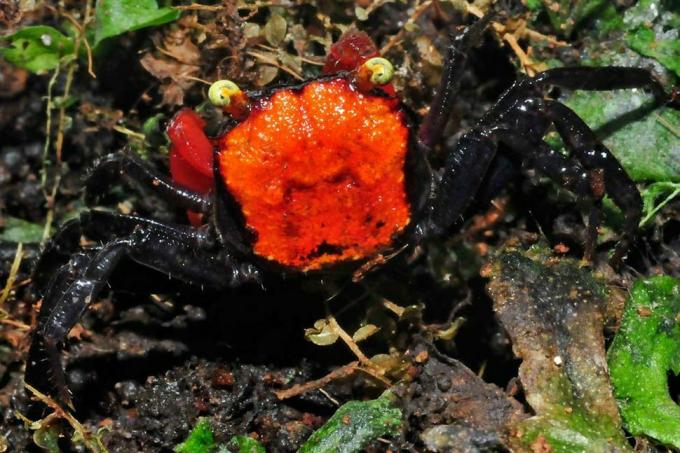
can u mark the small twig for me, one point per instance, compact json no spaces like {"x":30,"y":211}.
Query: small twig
{"x":129,"y":132}
{"x":667,"y":125}
{"x":272,"y":62}
{"x":394,"y":308}
{"x":198,"y":7}
{"x":660,"y":206}
{"x":15,"y":323}
{"x":351,"y":344}
{"x":299,"y":389}
{"x":304,"y":59}
{"x":524,"y":59}
{"x":418,"y":10}
{"x":197,"y":79}
{"x":376,"y":374}
{"x":93,"y":443}
{"x":85,"y":41}
{"x":48,"y":126}
{"x":13,"y":271}
{"x":59,"y":141}
{"x":330,"y":398}
{"x":90,"y":65}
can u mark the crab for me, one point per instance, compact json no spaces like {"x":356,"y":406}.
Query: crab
{"x":329,"y":175}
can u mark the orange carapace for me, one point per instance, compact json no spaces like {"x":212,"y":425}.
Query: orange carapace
{"x":318,"y":172}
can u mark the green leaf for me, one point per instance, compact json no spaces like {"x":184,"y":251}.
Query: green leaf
{"x":115,"y":17}
{"x":566,"y":15}
{"x":18,"y":230}
{"x":665,"y":51}
{"x":37,"y":49}
{"x":247,"y":444}
{"x":200,"y":439}
{"x":47,"y":438}
{"x":647,"y":144}
{"x":533,"y":4}
{"x":651,"y":195}
{"x":645,"y":349}
{"x":354,"y":425}
{"x":653,"y":31}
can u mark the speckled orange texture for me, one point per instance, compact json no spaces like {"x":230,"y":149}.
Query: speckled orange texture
{"x":319,"y":174}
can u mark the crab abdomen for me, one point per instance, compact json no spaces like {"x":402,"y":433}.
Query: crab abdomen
{"x":319,"y":173}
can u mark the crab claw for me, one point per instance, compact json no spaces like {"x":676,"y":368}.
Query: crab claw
{"x":355,"y":51}
{"x":349,"y":52}
{"x":191,"y":155}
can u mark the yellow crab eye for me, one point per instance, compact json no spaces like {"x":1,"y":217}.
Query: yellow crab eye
{"x":381,"y":70}
{"x":222,"y":92}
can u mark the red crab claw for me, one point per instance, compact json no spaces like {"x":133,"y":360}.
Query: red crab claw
{"x":352,"y":50}
{"x":190,"y":155}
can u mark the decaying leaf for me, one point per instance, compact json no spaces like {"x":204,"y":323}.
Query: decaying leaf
{"x":174,"y":76}
{"x":455,"y":409}
{"x":552,"y":310}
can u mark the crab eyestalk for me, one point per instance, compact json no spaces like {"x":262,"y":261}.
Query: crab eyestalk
{"x":374,"y":72}
{"x":226,"y":94}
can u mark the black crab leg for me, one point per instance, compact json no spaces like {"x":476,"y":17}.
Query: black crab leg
{"x":57,"y":251}
{"x":601,"y":79}
{"x":464,"y":171}
{"x":433,"y":124}
{"x":110,"y":167}
{"x":79,"y":282}
{"x":604,"y":168}
{"x":575,"y":78}
{"x":468,"y":164}
{"x":567,"y":172}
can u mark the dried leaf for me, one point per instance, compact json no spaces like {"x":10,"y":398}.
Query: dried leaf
{"x":275,"y":29}
{"x":322,"y":334}
{"x":364,"y":332}
{"x":174,"y":74}
{"x":266,"y":73}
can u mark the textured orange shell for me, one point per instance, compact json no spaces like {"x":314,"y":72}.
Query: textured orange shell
{"x":319,"y":173}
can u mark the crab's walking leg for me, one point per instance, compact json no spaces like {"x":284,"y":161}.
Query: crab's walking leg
{"x":595,"y":157}
{"x":109,"y":168}
{"x":565,"y":171}
{"x":471,"y":158}
{"x":454,"y":67}
{"x":58,"y":251}
{"x":79,"y":282}
{"x":468,"y":164}
{"x":601,"y":79}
